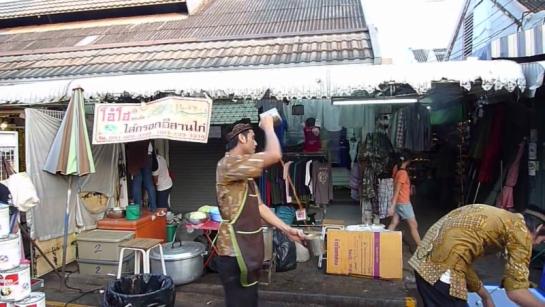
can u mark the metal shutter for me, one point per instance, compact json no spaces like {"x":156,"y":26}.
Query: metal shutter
{"x":194,"y":167}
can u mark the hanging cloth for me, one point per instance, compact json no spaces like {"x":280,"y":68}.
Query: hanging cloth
{"x":491,"y":155}
{"x":505,"y":199}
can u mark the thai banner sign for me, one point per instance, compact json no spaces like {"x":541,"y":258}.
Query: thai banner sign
{"x":173,"y":118}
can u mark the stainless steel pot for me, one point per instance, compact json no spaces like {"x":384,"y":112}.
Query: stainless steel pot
{"x":183,"y":261}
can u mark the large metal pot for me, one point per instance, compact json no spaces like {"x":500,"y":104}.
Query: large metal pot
{"x":183,"y":261}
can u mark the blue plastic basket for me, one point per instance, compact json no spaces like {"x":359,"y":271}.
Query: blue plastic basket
{"x":216,"y":217}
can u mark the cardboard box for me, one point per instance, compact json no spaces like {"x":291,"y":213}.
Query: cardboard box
{"x":53,"y":251}
{"x":326,"y":222}
{"x":365,"y":253}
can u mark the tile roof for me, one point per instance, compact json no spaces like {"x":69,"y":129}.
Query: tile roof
{"x":225,"y":113}
{"x":28,"y":8}
{"x":227,"y":34}
{"x":222,"y":55}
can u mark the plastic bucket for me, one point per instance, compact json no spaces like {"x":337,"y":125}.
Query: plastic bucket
{"x":171,"y":232}
{"x":4,"y":220}
{"x":15,"y":284}
{"x":132,"y":212}
{"x":36,"y":299}
{"x":10,"y":252}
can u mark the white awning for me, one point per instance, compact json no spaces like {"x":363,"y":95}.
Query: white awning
{"x":534,"y":73}
{"x":308,"y":81}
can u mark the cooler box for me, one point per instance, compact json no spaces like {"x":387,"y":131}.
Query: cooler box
{"x":101,"y":267}
{"x":148,"y":226}
{"x":102,"y":245}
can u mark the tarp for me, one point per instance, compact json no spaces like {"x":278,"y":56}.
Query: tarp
{"x":48,"y":218}
{"x":304,"y":81}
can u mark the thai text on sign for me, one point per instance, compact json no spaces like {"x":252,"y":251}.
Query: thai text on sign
{"x":173,"y":118}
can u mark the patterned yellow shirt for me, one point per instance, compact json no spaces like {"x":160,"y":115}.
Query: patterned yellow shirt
{"x":457,"y":239}
{"x":233,"y":174}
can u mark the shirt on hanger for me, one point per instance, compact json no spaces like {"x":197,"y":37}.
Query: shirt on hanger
{"x":286,"y":175}
{"x":322,"y":182}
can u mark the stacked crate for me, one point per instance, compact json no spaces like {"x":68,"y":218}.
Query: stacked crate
{"x":98,"y":252}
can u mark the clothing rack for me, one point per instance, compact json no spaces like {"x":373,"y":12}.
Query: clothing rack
{"x":322,"y":155}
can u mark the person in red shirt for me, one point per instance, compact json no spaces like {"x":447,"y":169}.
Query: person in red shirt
{"x":312,"y":136}
{"x":401,"y":207}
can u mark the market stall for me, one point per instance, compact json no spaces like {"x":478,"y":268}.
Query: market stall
{"x":344,"y":129}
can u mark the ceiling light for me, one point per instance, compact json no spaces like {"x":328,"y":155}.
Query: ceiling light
{"x":4,"y":125}
{"x":344,"y":102}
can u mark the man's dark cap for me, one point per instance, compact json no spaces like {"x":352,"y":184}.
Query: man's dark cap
{"x":237,"y":129}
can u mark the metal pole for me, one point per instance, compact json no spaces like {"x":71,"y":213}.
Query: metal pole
{"x":65,"y":238}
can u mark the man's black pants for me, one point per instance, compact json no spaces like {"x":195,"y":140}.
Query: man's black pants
{"x":235,"y":294}
{"x":436,"y":295}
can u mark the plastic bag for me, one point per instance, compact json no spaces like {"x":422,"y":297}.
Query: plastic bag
{"x":140,"y":291}
{"x":286,"y":252}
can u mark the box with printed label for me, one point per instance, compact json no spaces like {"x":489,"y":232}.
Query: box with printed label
{"x":365,"y":253}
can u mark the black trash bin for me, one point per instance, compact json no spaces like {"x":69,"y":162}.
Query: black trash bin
{"x":140,"y":291}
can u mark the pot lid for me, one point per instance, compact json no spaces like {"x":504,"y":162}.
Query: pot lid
{"x":179,"y":250}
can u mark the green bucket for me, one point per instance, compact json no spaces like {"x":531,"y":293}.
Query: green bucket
{"x":171,"y":232}
{"x":132,"y":212}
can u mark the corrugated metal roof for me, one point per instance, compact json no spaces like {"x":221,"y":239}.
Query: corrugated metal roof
{"x":323,"y":49}
{"x":420,"y":55}
{"x":222,"y":20}
{"x":440,"y":54}
{"x":429,"y":55}
{"x":533,"y":5}
{"x":225,"y":113}
{"x":27,"y":8}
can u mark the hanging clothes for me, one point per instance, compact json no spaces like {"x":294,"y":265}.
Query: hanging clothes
{"x":410,"y":128}
{"x":491,"y":155}
{"x":358,"y":116}
{"x":287,"y":186}
{"x":354,"y":144}
{"x":322,"y":183}
{"x":385,"y":195}
{"x":308,"y":176}
{"x":312,"y":139}
{"x":374,"y":156}
{"x":505,"y":199}
{"x":397,"y":130}
{"x":355,"y":181}
{"x":418,"y":128}
{"x":344,"y":151}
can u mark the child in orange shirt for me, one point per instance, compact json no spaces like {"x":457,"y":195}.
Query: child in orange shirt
{"x":401,"y":207}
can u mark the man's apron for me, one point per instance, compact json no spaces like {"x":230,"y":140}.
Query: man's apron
{"x":247,"y":237}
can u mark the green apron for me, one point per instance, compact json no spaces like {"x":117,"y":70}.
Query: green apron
{"x":246,"y":234}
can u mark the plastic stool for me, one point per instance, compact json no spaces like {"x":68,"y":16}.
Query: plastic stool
{"x":142,"y":248}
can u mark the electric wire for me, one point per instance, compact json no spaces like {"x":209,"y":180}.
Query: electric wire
{"x":484,"y":41}
{"x":480,"y":42}
{"x":465,"y":36}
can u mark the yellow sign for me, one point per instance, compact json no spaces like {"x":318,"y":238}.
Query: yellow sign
{"x":173,"y":118}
